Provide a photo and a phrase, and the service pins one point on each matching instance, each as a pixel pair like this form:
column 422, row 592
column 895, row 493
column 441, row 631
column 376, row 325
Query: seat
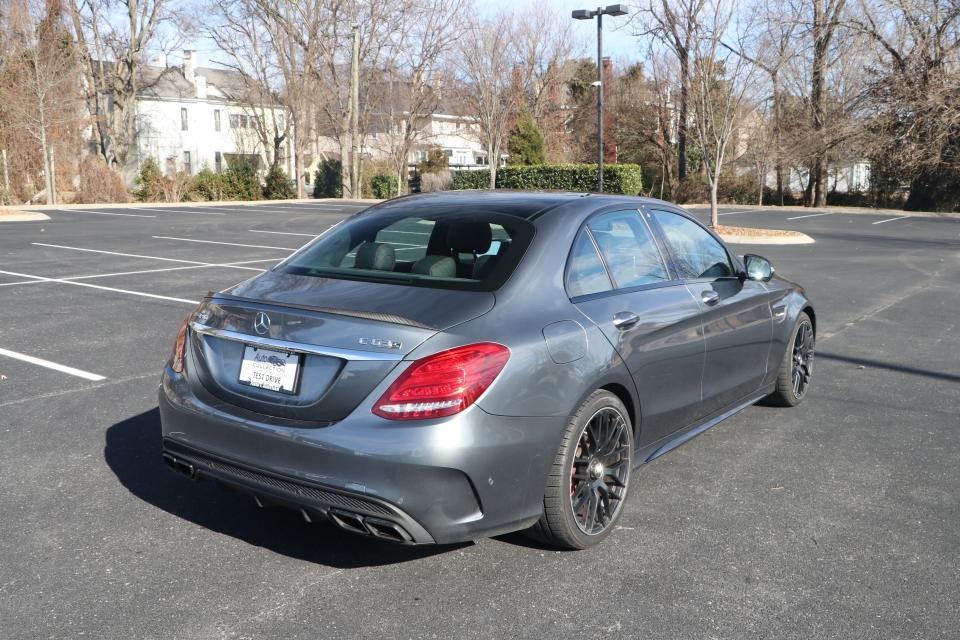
column 435, row 266
column 473, row 237
column 377, row 256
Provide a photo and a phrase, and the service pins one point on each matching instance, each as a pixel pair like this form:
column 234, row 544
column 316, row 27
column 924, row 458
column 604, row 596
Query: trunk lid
column 348, row 336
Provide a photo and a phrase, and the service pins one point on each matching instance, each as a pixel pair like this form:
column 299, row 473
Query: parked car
column 449, row 366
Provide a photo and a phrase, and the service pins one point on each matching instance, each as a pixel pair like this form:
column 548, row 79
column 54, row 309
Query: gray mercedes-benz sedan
column 443, row 367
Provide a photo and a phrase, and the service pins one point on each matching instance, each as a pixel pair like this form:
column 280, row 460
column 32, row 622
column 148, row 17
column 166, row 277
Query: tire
column 603, row 425
column 786, row 394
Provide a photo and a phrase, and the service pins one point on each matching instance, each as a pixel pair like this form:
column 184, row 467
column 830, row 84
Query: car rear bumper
column 461, row 478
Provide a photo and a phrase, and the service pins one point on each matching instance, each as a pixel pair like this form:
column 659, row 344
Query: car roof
column 528, row 205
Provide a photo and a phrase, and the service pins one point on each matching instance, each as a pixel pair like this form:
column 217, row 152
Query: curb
column 22, row 216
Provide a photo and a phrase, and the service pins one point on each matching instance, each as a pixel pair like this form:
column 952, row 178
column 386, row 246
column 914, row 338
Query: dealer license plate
column 270, row 369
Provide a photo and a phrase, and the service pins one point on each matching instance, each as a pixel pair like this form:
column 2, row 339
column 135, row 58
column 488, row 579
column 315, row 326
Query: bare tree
column 275, row 94
column 675, row 23
column 410, row 89
column 915, row 97
column 486, row 57
column 545, row 45
column 826, row 17
column 39, row 88
column 723, row 85
column 112, row 38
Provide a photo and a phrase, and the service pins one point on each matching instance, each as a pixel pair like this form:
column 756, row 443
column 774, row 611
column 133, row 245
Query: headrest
column 377, row 256
column 470, row 237
column 437, row 266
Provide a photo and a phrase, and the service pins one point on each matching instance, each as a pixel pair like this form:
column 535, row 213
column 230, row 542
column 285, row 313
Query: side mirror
column 758, row 267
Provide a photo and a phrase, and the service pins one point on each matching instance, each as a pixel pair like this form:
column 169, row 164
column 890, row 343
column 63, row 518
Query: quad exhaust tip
column 180, row 466
column 367, row 525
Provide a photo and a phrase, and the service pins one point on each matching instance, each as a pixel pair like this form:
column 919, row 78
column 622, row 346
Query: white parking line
column 102, row 213
column 204, row 213
column 730, row 213
column 812, row 215
column 891, row 219
column 86, row 375
column 235, row 265
column 96, row 286
column 232, row 244
column 284, row 233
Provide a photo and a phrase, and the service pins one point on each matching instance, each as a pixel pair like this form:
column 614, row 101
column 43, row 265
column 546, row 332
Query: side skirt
column 664, row 445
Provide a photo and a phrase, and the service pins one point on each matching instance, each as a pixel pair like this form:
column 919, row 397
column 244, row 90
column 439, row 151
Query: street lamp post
column 587, row 14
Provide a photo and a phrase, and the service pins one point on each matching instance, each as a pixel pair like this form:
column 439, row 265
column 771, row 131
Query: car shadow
column 132, row 451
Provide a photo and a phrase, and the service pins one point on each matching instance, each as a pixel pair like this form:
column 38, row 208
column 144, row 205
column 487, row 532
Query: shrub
column 850, row 199
column 471, row 179
column 526, row 142
column 175, row 189
column 100, row 183
column 617, row 178
column 277, row 185
column 439, row 181
column 208, row 185
column 383, row 186
column 242, row 182
column 328, row 183
column 149, row 182
column 436, row 161
column 734, row 189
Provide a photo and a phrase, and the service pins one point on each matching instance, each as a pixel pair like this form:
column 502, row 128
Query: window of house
column 216, row 119
column 187, row 165
column 218, row 162
column 183, row 119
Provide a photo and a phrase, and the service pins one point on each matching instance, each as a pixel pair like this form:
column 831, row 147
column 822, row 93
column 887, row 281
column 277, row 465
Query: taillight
column 180, row 347
column 443, row 384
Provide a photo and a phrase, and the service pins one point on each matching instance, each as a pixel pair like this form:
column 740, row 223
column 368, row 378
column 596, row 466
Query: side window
column 628, row 248
column 696, row 252
column 586, row 273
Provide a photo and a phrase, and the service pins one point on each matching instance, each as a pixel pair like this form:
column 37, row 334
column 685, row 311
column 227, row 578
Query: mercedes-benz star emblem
column 261, row 323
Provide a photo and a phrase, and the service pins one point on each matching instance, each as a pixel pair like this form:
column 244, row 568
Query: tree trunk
column 344, row 167
column 47, row 169
column 298, row 168
column 493, row 153
column 714, row 216
column 682, row 121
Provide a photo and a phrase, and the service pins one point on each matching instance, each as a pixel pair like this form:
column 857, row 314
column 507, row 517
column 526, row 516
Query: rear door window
column 585, row 272
column 629, row 250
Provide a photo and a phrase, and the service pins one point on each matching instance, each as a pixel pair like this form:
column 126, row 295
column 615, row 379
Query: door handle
column 710, row 298
column 625, row 319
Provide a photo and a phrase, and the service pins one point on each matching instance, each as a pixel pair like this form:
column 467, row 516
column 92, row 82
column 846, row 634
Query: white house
column 190, row 118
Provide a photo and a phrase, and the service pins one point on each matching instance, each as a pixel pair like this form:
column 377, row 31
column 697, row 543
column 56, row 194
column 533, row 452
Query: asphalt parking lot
column 838, row 519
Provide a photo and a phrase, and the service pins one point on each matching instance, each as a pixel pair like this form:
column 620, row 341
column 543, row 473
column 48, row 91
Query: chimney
column 189, row 65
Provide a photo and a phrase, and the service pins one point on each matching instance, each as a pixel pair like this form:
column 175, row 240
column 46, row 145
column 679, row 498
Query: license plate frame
column 270, row 369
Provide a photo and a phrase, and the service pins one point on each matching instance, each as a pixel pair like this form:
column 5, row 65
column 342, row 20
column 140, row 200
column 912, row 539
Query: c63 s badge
column 382, row 343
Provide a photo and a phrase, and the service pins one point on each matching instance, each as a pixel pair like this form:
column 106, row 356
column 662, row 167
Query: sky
column 618, row 43
column 618, row 40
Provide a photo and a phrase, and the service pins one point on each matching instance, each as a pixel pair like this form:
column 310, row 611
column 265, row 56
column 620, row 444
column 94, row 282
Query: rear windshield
column 466, row 250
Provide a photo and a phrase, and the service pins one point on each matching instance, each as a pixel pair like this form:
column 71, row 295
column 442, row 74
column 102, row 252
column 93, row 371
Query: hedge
column 617, row 178
column 471, row 179
column 383, row 186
